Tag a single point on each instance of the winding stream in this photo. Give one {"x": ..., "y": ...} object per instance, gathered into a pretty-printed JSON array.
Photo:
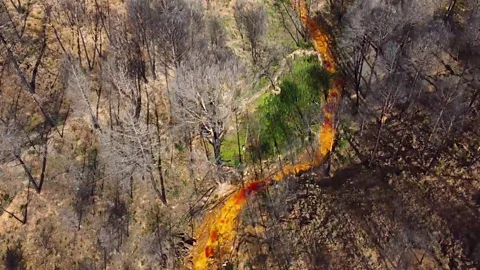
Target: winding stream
[{"x": 217, "y": 232}]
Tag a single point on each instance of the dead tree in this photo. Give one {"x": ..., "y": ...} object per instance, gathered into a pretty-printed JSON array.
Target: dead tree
[
  {"x": 204, "y": 96},
  {"x": 252, "y": 20}
]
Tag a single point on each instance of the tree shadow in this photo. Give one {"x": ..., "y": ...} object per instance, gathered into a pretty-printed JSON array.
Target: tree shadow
[
  {"x": 396, "y": 213},
  {"x": 14, "y": 259}
]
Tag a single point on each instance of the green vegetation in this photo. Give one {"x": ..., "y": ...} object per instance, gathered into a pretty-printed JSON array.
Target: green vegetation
[
  {"x": 284, "y": 119},
  {"x": 230, "y": 153},
  {"x": 262, "y": 99},
  {"x": 287, "y": 117}
]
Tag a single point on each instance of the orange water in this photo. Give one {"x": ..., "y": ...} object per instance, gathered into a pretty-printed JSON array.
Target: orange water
[{"x": 216, "y": 234}]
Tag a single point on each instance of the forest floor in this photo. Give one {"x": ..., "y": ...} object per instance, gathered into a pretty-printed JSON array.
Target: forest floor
[{"x": 364, "y": 218}]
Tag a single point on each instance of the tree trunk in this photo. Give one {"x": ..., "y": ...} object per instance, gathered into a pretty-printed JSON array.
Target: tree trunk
[
  {"x": 44, "y": 164},
  {"x": 379, "y": 134},
  {"x": 39, "y": 60},
  {"x": 163, "y": 197},
  {"x": 159, "y": 162},
  {"x": 238, "y": 140},
  {"x": 29, "y": 175},
  {"x": 155, "y": 188},
  {"x": 450, "y": 10},
  {"x": 285, "y": 26},
  {"x": 138, "y": 99},
  {"x": 131, "y": 187},
  {"x": 84, "y": 45},
  {"x": 216, "y": 149}
]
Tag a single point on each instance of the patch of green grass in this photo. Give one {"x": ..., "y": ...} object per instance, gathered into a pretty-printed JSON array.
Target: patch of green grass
[
  {"x": 285, "y": 119},
  {"x": 229, "y": 151},
  {"x": 176, "y": 192},
  {"x": 342, "y": 144},
  {"x": 261, "y": 99},
  {"x": 180, "y": 147},
  {"x": 305, "y": 45}
]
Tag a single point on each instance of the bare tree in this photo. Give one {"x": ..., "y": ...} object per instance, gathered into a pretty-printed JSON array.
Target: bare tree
[
  {"x": 85, "y": 23},
  {"x": 130, "y": 64},
  {"x": 133, "y": 144},
  {"x": 131, "y": 148},
  {"x": 216, "y": 31},
  {"x": 402, "y": 60},
  {"x": 204, "y": 96},
  {"x": 79, "y": 87},
  {"x": 291, "y": 22},
  {"x": 11, "y": 147},
  {"x": 142, "y": 21},
  {"x": 252, "y": 20},
  {"x": 15, "y": 56},
  {"x": 181, "y": 22}
]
